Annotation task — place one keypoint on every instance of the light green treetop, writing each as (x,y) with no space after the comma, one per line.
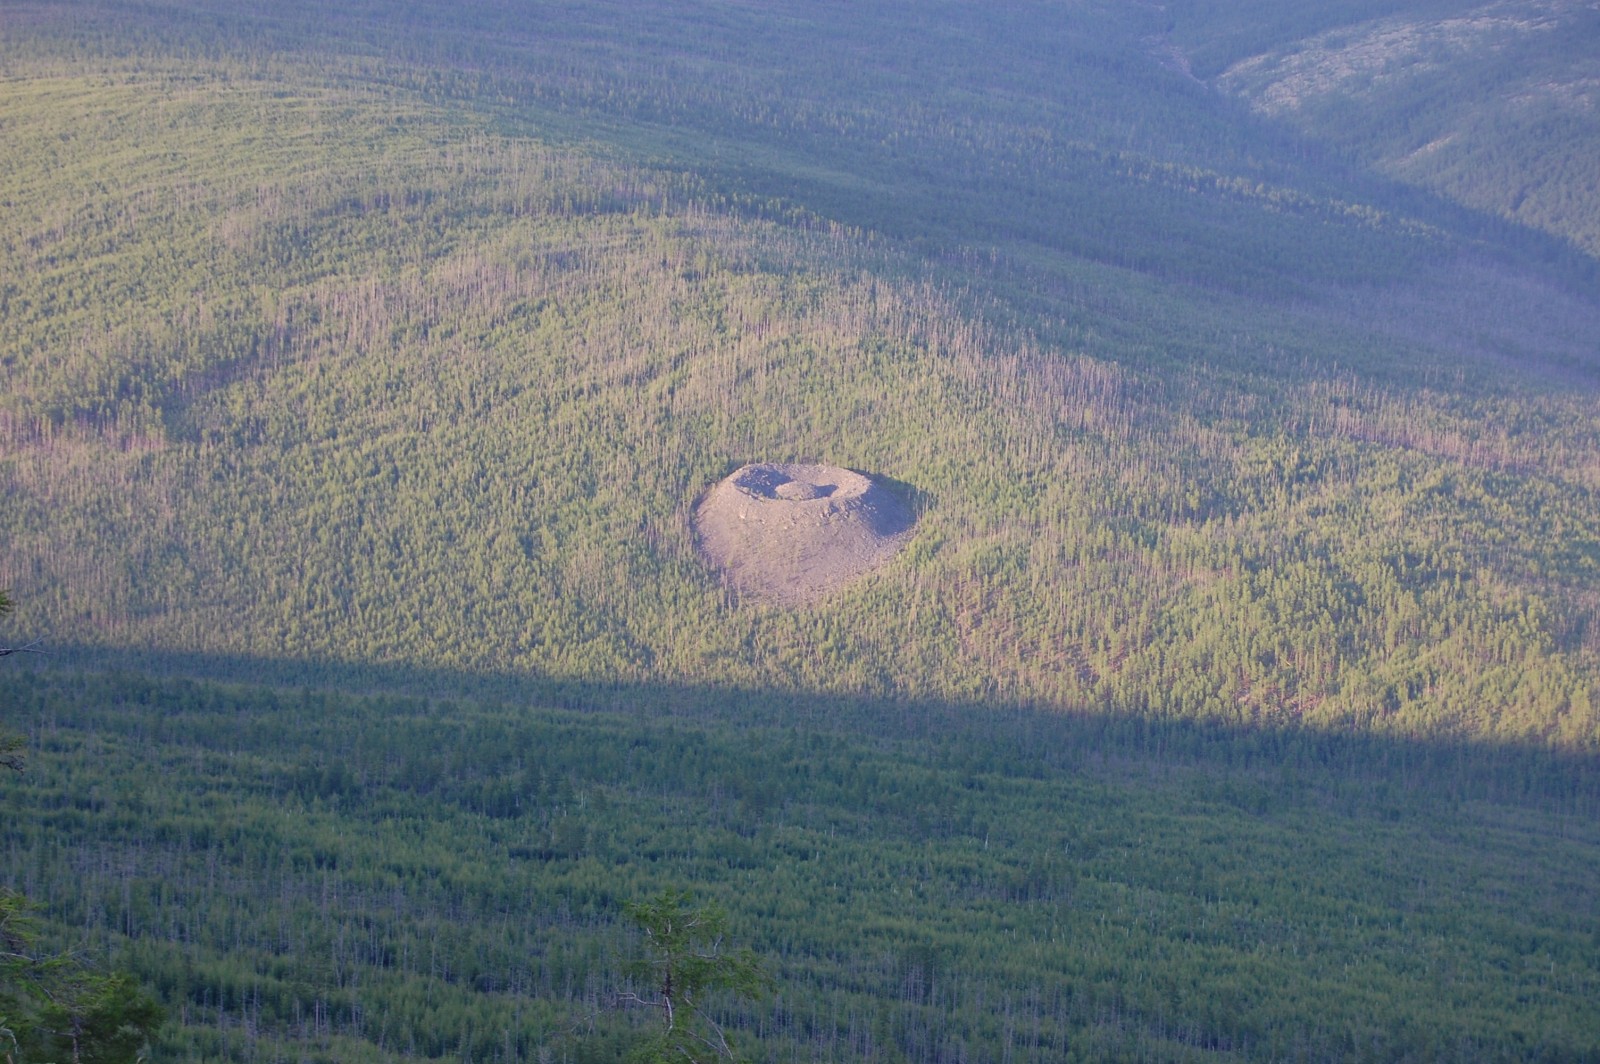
(685,960)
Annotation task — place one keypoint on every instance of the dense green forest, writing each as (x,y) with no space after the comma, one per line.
(1494,105)
(1233,698)
(303,875)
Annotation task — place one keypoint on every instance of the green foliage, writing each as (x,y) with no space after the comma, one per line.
(7,743)
(685,962)
(407,374)
(1495,113)
(303,873)
(52,1008)
(99,1020)
(389,346)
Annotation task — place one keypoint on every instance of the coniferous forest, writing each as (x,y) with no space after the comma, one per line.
(1234,696)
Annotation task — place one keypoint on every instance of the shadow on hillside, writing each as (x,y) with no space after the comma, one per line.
(978,737)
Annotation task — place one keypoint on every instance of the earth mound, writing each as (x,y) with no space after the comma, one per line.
(789,533)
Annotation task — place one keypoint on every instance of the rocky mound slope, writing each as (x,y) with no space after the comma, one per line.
(789,533)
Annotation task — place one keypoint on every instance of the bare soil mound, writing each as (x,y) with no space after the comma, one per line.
(788,533)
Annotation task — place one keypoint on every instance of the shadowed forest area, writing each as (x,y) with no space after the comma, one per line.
(303,873)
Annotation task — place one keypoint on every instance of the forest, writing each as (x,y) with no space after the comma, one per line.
(323,876)
(1235,696)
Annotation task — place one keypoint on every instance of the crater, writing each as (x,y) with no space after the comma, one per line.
(790,533)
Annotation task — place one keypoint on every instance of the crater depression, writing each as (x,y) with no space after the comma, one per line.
(789,533)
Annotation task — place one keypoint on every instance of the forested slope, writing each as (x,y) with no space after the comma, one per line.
(307,875)
(336,338)
(1495,105)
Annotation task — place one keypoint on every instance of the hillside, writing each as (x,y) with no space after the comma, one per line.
(315,875)
(1158,622)
(368,341)
(1493,105)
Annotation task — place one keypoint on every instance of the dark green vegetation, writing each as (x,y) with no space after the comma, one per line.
(52,1007)
(380,347)
(685,962)
(312,876)
(1496,105)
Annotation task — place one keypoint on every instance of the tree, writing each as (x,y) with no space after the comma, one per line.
(685,960)
(10,745)
(53,1008)
(99,1019)
(29,648)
